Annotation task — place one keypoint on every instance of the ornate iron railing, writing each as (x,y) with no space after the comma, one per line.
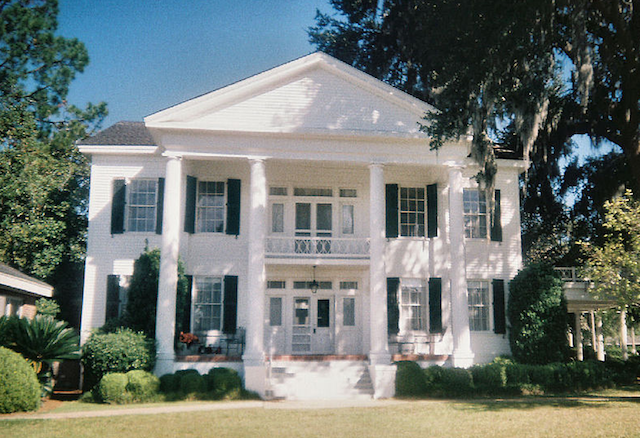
(317,247)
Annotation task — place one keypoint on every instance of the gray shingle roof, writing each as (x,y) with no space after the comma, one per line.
(121,134)
(8,270)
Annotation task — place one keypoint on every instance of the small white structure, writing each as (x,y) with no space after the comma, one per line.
(19,292)
(323,238)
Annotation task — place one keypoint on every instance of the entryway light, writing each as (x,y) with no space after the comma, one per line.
(314,284)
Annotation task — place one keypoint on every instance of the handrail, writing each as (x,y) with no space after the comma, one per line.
(324,247)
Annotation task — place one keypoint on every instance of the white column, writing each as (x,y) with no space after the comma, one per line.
(462,354)
(168,277)
(623,333)
(256,272)
(577,338)
(600,336)
(379,353)
(594,342)
(383,373)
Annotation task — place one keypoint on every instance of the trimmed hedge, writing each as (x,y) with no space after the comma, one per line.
(119,352)
(218,383)
(133,387)
(19,386)
(507,377)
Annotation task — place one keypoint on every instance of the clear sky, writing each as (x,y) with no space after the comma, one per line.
(147,55)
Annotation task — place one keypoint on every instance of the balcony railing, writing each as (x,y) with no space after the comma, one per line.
(570,275)
(317,247)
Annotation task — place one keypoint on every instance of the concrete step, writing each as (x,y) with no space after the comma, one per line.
(319,380)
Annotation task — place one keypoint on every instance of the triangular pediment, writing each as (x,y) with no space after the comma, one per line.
(314,94)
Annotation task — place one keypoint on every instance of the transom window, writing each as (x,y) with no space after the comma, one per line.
(412,306)
(312,191)
(412,207)
(142,205)
(475,214)
(207,305)
(479,305)
(210,207)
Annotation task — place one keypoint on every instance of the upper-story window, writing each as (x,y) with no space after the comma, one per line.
(141,211)
(475,214)
(210,207)
(412,209)
(479,305)
(413,309)
(137,205)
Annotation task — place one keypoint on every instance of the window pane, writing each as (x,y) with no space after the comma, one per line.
(303,216)
(349,312)
(277,218)
(275,311)
(301,311)
(311,191)
(210,207)
(412,208)
(347,285)
(479,302)
(323,217)
(142,205)
(347,219)
(324,314)
(276,284)
(278,191)
(475,214)
(348,193)
(207,306)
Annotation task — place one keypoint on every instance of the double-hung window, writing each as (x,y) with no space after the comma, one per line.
(208,305)
(210,207)
(412,211)
(475,214)
(413,310)
(141,211)
(479,299)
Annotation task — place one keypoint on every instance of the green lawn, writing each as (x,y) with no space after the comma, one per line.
(512,418)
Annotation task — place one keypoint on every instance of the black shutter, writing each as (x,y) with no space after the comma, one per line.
(435,305)
(117,206)
(233,206)
(432,210)
(185,311)
(393,311)
(230,304)
(499,321)
(190,207)
(160,206)
(496,223)
(391,209)
(113,297)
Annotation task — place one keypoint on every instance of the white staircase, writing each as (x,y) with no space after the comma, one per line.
(319,380)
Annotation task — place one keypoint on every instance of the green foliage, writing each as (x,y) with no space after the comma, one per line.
(489,377)
(47,307)
(122,351)
(112,389)
(537,312)
(42,340)
(614,266)
(169,383)
(19,387)
(223,381)
(192,383)
(410,380)
(456,381)
(142,385)
(142,299)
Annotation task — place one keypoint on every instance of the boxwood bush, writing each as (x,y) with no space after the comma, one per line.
(19,386)
(132,387)
(223,382)
(118,352)
(410,380)
(142,385)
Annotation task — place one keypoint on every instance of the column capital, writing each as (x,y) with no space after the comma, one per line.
(172,156)
(376,165)
(257,160)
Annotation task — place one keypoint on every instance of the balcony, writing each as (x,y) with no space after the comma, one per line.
(302,247)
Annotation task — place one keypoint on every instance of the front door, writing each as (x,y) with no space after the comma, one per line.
(312,330)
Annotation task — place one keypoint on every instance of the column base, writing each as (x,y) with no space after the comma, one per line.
(462,359)
(164,364)
(255,378)
(383,358)
(383,378)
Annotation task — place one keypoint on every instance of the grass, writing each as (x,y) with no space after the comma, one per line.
(535,417)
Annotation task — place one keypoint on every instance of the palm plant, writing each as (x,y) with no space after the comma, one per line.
(42,341)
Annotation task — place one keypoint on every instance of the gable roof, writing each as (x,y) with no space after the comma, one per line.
(313,94)
(17,281)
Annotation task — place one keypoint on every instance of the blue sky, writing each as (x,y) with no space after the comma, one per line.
(147,55)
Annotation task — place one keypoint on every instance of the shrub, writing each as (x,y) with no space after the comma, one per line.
(517,374)
(410,380)
(169,383)
(117,352)
(489,378)
(456,381)
(223,381)
(46,306)
(537,312)
(19,387)
(432,377)
(112,389)
(142,385)
(191,382)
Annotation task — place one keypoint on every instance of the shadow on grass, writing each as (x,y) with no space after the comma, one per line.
(529,403)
